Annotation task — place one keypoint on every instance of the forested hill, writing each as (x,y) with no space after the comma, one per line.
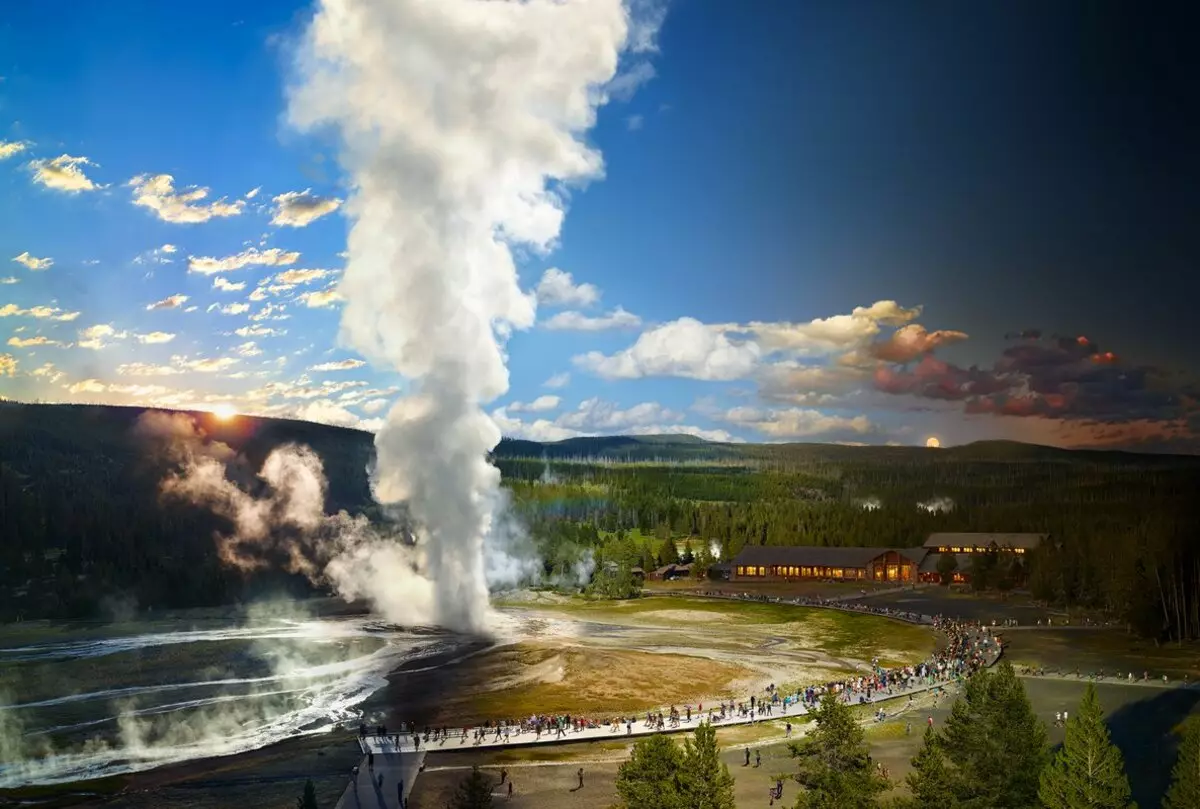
(81,521)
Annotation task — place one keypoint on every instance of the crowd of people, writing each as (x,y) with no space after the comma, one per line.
(967,648)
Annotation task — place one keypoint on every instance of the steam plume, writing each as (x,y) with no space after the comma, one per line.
(937,505)
(453,118)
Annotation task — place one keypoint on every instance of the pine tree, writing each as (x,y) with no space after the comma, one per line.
(474,792)
(835,768)
(1185,778)
(931,781)
(1088,771)
(995,742)
(650,779)
(705,779)
(309,801)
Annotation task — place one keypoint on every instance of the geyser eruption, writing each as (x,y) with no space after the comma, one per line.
(937,505)
(458,121)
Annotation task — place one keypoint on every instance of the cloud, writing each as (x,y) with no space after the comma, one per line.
(33,262)
(157,193)
(87,386)
(634,122)
(31,342)
(683,348)
(248,349)
(170,302)
(324,411)
(230,308)
(253,192)
(40,312)
(373,406)
(63,173)
(8,148)
(340,365)
(911,342)
(48,372)
(795,422)
(291,278)
(824,335)
(8,365)
(559,380)
(157,255)
(804,384)
(258,331)
(538,405)
(299,209)
(558,288)
(98,336)
(155,338)
(626,83)
(225,285)
(322,299)
(598,417)
(12,279)
(577,321)
(273,257)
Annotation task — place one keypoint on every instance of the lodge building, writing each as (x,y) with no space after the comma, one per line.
(900,565)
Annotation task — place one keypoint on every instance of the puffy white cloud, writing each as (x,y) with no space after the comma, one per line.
(373,406)
(33,262)
(8,365)
(225,285)
(340,365)
(684,348)
(324,411)
(558,288)
(31,342)
(40,312)
(230,308)
(259,331)
(155,338)
(273,257)
(157,193)
(626,83)
(272,311)
(795,422)
(87,386)
(597,417)
(248,349)
(8,148)
(823,335)
(99,336)
(170,302)
(577,321)
(298,209)
(559,380)
(538,405)
(48,372)
(253,192)
(12,279)
(291,278)
(321,299)
(63,173)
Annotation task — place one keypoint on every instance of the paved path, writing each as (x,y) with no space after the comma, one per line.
(367,793)
(385,745)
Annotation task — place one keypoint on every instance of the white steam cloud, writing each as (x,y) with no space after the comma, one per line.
(459,121)
(871,504)
(937,505)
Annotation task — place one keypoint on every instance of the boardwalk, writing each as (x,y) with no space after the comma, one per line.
(367,793)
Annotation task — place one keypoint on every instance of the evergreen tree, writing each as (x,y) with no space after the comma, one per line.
(650,779)
(705,779)
(1088,771)
(947,563)
(1185,778)
(931,781)
(835,768)
(995,742)
(474,792)
(309,800)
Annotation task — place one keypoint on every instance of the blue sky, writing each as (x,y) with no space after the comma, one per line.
(818,222)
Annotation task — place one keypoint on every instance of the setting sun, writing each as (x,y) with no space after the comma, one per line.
(932,442)
(224,412)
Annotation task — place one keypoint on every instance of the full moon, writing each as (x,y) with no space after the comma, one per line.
(932,441)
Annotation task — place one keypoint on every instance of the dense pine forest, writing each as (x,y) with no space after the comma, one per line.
(82,526)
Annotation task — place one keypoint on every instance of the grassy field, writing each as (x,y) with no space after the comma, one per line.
(838,634)
(1091,651)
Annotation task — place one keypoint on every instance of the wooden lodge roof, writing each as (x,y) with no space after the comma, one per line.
(809,555)
(981,540)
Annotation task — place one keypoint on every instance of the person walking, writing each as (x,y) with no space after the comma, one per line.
(510,788)
(580,774)
(757,758)
(747,764)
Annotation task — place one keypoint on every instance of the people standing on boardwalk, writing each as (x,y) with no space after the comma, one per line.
(747,764)
(580,774)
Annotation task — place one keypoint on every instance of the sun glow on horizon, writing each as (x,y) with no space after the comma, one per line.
(224,411)
(932,442)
